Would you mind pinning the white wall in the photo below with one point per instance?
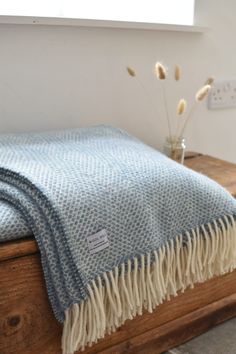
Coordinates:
(53, 77)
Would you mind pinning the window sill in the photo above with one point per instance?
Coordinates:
(54, 21)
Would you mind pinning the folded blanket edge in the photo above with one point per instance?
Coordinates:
(146, 281)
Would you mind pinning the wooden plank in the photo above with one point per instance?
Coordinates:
(221, 171)
(178, 331)
(27, 324)
(191, 154)
(17, 248)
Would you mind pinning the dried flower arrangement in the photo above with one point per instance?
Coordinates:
(162, 75)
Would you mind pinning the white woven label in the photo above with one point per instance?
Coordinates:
(98, 242)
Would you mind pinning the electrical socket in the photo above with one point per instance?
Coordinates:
(222, 95)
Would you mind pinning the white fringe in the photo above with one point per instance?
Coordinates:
(147, 281)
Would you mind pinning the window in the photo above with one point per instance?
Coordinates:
(145, 11)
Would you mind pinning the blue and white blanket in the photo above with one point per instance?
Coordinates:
(120, 227)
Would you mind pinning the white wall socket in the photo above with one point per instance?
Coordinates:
(222, 95)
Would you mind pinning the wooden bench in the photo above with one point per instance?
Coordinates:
(27, 325)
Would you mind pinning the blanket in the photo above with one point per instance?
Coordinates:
(120, 227)
(12, 225)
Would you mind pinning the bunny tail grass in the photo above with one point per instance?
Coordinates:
(144, 282)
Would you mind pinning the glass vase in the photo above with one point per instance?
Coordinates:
(174, 148)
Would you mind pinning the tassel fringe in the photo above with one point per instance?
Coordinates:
(146, 281)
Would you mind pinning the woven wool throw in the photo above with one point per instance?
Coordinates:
(120, 227)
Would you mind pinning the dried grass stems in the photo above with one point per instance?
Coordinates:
(201, 94)
(133, 74)
(131, 71)
(177, 72)
(210, 81)
(161, 74)
(160, 71)
(181, 107)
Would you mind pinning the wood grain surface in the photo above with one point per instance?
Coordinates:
(179, 330)
(18, 248)
(27, 324)
(220, 171)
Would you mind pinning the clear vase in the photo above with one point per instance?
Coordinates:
(174, 148)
